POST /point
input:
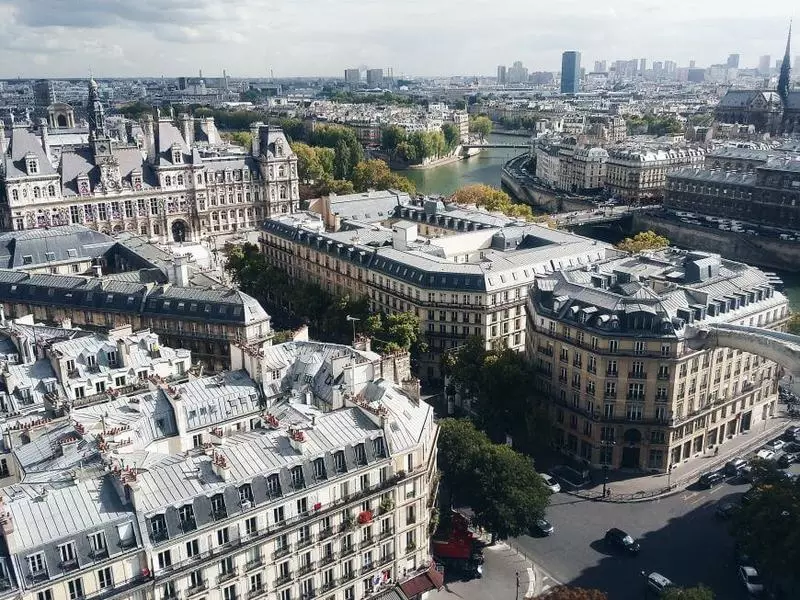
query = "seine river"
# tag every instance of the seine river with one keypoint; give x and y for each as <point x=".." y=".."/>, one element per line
<point x="486" y="168"/>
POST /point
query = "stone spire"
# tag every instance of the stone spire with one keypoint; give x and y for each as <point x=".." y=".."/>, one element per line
<point x="94" y="108"/>
<point x="785" y="76"/>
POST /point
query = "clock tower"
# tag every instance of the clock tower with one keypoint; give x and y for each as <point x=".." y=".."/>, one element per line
<point x="100" y="142"/>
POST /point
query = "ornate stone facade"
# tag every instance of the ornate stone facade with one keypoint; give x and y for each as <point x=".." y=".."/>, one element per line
<point x="181" y="186"/>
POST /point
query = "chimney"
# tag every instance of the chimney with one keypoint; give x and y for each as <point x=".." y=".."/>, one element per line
<point x="180" y="271"/>
<point x="211" y="131"/>
<point x="97" y="270"/>
<point x="149" y="137"/>
<point x="187" y="128"/>
<point x="256" y="145"/>
<point x="66" y="323"/>
<point x="45" y="137"/>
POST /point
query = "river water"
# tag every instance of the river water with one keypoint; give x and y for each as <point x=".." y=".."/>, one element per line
<point x="486" y="168"/>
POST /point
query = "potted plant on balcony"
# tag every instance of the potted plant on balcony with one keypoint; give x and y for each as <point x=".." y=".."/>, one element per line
<point x="387" y="503"/>
<point x="348" y="522"/>
<point x="365" y="516"/>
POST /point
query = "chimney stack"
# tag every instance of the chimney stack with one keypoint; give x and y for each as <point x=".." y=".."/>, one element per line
<point x="45" y="138"/>
<point x="187" y="128"/>
<point x="2" y="137"/>
<point x="180" y="271"/>
<point x="149" y="137"/>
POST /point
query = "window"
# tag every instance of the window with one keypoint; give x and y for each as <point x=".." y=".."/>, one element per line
<point x="223" y="536"/>
<point x="164" y="559"/>
<point x="105" y="578"/>
<point x="273" y="486"/>
<point x="278" y="515"/>
<point x="192" y="548"/>
<point x="66" y="553"/>
<point x="36" y="563"/>
<point x="251" y="526"/>
<point x="218" y="507"/>
<point x="298" y="482"/>
<point x="246" y="495"/>
<point x="339" y="462"/>
<point x="97" y="543"/>
<point x="45" y="595"/>
<point x="75" y="589"/>
<point x="361" y="455"/>
<point x="319" y="469"/>
<point x="229" y="593"/>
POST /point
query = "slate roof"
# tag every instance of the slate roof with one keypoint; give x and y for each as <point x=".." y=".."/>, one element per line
<point x="23" y="142"/>
<point x="43" y="246"/>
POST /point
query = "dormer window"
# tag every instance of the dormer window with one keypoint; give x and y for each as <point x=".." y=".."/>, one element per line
<point x="31" y="164"/>
<point x="177" y="156"/>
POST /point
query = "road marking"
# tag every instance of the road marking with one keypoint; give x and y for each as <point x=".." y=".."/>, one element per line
<point x="531" y="583"/>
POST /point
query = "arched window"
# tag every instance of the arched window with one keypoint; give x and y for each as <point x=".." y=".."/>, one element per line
<point x="15" y="195"/>
<point x="281" y="171"/>
<point x="37" y="193"/>
<point x="180" y="179"/>
<point x="283" y="192"/>
<point x="51" y="190"/>
<point x="156" y="230"/>
<point x="167" y="180"/>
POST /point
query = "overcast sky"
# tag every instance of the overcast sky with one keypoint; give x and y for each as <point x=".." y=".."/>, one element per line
<point x="67" y="38"/>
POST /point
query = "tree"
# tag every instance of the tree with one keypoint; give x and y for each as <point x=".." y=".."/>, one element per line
<point x="391" y="136"/>
<point x="397" y="332"/>
<point x="768" y="526"/>
<point x="492" y="199"/>
<point x="135" y="110"/>
<point x="452" y="136"/>
<point x="375" y="174"/>
<point x="642" y="241"/>
<point x="482" y="125"/>
<point x="309" y="167"/>
<point x="794" y="324"/>
<point x="565" y="592"/>
<point x="240" y="138"/>
<point x="699" y="592"/>
<point x="498" y="483"/>
<point x="342" y="161"/>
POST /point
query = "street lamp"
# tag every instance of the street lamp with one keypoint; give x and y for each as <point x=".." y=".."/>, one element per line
<point x="606" y="444"/>
<point x="353" y="321"/>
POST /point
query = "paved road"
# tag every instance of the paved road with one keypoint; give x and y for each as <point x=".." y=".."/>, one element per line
<point x="680" y="536"/>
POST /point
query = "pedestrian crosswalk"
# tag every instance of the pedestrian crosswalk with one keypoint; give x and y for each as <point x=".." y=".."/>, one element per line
<point x="544" y="582"/>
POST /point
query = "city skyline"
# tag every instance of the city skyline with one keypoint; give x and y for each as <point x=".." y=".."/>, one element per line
<point x="156" y="37"/>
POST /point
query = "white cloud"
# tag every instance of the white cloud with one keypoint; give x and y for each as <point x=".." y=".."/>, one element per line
<point x="322" y="37"/>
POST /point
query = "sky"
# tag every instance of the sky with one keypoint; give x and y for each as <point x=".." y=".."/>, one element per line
<point x="70" y="38"/>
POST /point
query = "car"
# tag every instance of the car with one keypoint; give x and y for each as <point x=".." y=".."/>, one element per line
<point x="751" y="579"/>
<point x="622" y="541"/>
<point x="775" y="445"/>
<point x="734" y="467"/>
<point x="544" y="527"/>
<point x="787" y="458"/>
<point x="550" y="483"/>
<point x="791" y="433"/>
<point x="709" y="480"/>
<point x="656" y="582"/>
<point x="725" y="510"/>
<point x="765" y="454"/>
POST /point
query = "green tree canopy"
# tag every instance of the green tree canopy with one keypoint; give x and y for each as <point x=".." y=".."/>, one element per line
<point x="395" y="332"/>
<point x="505" y="493"/>
<point x="452" y="136"/>
<point x="240" y="138"/>
<point x="482" y="125"/>
<point x="494" y="199"/>
<point x="391" y="136"/>
<point x="794" y="324"/>
<point x="375" y="174"/>
<point x="699" y="592"/>
<point x="136" y="110"/>
<point x="768" y="527"/>
<point x="642" y="241"/>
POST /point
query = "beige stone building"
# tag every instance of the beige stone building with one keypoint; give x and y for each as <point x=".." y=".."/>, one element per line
<point x="608" y="343"/>
<point x="638" y="174"/>
<point x="462" y="272"/>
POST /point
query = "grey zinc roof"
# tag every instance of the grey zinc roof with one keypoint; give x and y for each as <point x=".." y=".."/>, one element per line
<point x="23" y="142"/>
<point x="219" y="398"/>
<point x="68" y="242"/>
<point x="738" y="98"/>
<point x="63" y="512"/>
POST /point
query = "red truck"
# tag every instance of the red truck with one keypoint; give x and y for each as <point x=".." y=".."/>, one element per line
<point x="459" y="550"/>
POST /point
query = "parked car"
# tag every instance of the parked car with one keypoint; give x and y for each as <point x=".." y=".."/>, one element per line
<point x="775" y="445"/>
<point x="751" y="580"/>
<point x="543" y="527"/>
<point x="725" y="510"/>
<point x="787" y="458"/>
<point x="765" y="454"/>
<point x="734" y="467"/>
<point x="550" y="483"/>
<point x="709" y="480"/>
<point x="656" y="582"/>
<point x="791" y="433"/>
<point x="620" y="540"/>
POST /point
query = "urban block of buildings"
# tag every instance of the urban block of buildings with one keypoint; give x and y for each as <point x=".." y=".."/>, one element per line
<point x="308" y="470"/>
<point x="460" y="270"/>
<point x="178" y="183"/>
<point x="609" y="345"/>
<point x="72" y="274"/>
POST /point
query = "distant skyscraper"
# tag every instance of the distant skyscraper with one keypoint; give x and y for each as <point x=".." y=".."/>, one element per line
<point x="733" y="61"/>
<point x="658" y="68"/>
<point x="764" y="64"/>
<point x="374" y="78"/>
<point x="642" y="65"/>
<point x="352" y="76"/>
<point x="784" y="79"/>
<point x="692" y="64"/>
<point x="670" y="66"/>
<point x="501" y="75"/>
<point x="570" y="72"/>
<point x="600" y="66"/>
<point x="517" y="73"/>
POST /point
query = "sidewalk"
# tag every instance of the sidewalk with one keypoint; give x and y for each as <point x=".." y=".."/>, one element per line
<point x="639" y="488"/>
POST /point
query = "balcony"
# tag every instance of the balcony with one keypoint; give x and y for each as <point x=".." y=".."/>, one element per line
<point x="592" y="370"/>
<point x="227" y="576"/>
<point x="386" y="534"/>
<point x="348" y="550"/>
<point x="348" y="576"/>
<point x="305" y="542"/>
<point x="610" y="396"/>
<point x="188" y="524"/>
<point x="664" y="376"/>
<point x="612" y="373"/>
<point x="199" y="587"/>
<point x="637" y="375"/>
<point x="563" y="358"/>
<point x="562" y="380"/>
<point x="327" y="559"/>
<point x="99" y="553"/>
<point x="545" y="350"/>
<point x="325" y="533"/>
<point x="37" y="576"/>
<point x="68" y="565"/>
<point x="305" y="569"/>
<point x="256" y="592"/>
<point x="328" y="585"/>
<point x="219" y="514"/>
<point x="368" y="567"/>
<point x="636" y="397"/>
<point x="159" y="535"/>
<point x="254" y="563"/>
<point x="281" y="552"/>
<point x="283" y="579"/>
<point x="366" y="542"/>
<point x="386" y="558"/>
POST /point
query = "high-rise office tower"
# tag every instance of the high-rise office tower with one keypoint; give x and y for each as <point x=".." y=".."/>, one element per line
<point x="764" y="64"/>
<point x="733" y="61"/>
<point x="374" y="77"/>
<point x="501" y="75"/>
<point x="692" y="64"/>
<point x="352" y="76"/>
<point x="570" y="72"/>
<point x="642" y="65"/>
